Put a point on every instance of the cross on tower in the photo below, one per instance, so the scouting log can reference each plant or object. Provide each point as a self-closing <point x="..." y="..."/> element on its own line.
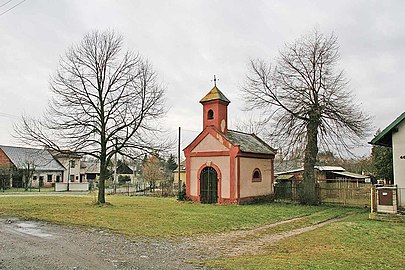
<point x="215" y="81"/>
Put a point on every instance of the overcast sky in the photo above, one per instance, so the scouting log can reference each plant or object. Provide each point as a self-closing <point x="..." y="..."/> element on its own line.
<point x="190" y="41"/>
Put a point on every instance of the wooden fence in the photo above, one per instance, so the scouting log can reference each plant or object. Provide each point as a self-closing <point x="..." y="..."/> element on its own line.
<point x="339" y="192"/>
<point x="346" y="193"/>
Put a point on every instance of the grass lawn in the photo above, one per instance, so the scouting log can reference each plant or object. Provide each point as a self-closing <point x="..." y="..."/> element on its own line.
<point x="151" y="216"/>
<point x="353" y="243"/>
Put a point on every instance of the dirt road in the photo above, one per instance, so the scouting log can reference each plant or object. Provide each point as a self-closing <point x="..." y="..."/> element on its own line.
<point x="39" y="245"/>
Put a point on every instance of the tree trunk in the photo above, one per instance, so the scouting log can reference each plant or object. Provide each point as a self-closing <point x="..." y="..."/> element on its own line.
<point x="309" y="194"/>
<point x="103" y="152"/>
<point x="101" y="183"/>
<point x="25" y="182"/>
<point x="103" y="176"/>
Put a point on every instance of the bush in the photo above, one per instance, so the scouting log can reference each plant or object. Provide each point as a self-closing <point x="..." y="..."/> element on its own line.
<point x="182" y="194"/>
<point x="122" y="179"/>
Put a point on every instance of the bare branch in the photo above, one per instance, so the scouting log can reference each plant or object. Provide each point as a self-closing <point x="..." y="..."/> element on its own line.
<point x="105" y="101"/>
<point x="307" y="98"/>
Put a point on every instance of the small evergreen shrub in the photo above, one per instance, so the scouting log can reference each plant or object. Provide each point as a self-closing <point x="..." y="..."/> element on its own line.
<point x="182" y="194"/>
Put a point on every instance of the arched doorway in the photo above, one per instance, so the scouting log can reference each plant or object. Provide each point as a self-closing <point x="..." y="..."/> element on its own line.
<point x="208" y="185"/>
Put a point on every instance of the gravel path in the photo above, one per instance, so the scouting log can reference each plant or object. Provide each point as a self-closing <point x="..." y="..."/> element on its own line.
<point x="39" y="245"/>
<point x="248" y="242"/>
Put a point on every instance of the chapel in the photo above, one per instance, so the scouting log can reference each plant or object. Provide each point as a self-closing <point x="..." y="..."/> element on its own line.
<point x="226" y="166"/>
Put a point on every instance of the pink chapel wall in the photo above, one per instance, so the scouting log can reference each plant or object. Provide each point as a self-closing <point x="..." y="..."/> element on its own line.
<point x="249" y="188"/>
<point x="208" y="144"/>
<point x="223" y="163"/>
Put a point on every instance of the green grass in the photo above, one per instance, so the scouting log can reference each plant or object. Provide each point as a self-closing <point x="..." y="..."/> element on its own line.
<point x="353" y="243"/>
<point x="150" y="216"/>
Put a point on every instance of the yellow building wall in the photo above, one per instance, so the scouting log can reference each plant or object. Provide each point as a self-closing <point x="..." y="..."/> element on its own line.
<point x="249" y="188"/>
<point x="182" y="177"/>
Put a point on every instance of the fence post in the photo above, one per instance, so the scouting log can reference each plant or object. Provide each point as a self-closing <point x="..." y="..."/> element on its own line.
<point x="345" y="190"/>
<point x="372" y="198"/>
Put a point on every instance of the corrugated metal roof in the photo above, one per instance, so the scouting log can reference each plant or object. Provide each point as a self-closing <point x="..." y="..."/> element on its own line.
<point x="285" y="177"/>
<point x="330" y="168"/>
<point x="214" y="94"/>
<point x="352" y="175"/>
<point x="249" y="143"/>
<point x="40" y="158"/>
<point x="319" y="168"/>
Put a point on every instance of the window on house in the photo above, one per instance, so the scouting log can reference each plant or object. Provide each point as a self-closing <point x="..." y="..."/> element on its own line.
<point x="49" y="178"/>
<point x="34" y="178"/>
<point x="210" y="114"/>
<point x="72" y="178"/>
<point x="58" y="178"/>
<point x="257" y="175"/>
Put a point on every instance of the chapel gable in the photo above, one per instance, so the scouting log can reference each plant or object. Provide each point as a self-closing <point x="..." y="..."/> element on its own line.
<point x="210" y="144"/>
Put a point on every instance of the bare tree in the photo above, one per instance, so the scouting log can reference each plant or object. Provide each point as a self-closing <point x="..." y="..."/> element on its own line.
<point x="307" y="101"/>
<point x="152" y="171"/>
<point x="251" y="125"/>
<point x="105" y="101"/>
<point x="28" y="168"/>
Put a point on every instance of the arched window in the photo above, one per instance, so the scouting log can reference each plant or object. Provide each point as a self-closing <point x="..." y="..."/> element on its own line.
<point x="210" y="114"/>
<point x="257" y="175"/>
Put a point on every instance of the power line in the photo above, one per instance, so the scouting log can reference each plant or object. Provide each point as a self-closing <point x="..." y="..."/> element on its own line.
<point x="6" y="3"/>
<point x="184" y="129"/>
<point x="16" y="5"/>
<point x="196" y="131"/>
<point x="9" y="115"/>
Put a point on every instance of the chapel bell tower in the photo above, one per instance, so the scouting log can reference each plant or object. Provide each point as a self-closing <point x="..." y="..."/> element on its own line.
<point x="215" y="109"/>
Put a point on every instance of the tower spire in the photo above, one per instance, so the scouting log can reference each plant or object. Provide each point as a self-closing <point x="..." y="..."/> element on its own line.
<point x="215" y="112"/>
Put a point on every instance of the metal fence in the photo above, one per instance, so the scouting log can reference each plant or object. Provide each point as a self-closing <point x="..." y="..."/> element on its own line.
<point x="163" y="189"/>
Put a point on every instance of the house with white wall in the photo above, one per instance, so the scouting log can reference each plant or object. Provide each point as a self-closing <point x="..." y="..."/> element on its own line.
<point x="47" y="168"/>
<point x="394" y="136"/>
<point x="43" y="167"/>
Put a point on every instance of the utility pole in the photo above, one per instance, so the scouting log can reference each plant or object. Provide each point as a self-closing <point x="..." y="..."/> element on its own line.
<point x="178" y="161"/>
<point x="68" y="176"/>
<point x="115" y="166"/>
